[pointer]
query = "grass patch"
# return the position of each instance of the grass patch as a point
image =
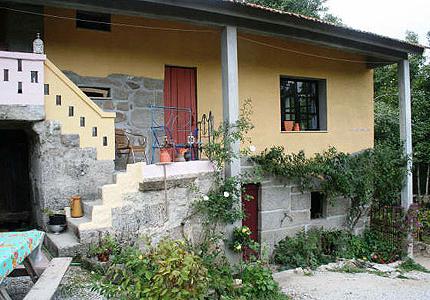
(410, 265)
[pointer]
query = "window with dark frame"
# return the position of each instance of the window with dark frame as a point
(93, 20)
(300, 103)
(34, 77)
(317, 205)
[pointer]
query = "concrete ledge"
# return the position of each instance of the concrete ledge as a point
(177, 169)
(17, 112)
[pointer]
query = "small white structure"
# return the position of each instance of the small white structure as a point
(21, 78)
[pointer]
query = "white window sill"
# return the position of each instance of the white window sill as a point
(304, 131)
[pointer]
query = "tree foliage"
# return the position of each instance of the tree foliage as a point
(312, 8)
(387, 108)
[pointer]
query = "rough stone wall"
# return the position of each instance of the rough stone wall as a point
(284, 210)
(147, 213)
(60, 168)
(131, 97)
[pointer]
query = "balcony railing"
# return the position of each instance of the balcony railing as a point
(21, 78)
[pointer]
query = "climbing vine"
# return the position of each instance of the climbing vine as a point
(371, 177)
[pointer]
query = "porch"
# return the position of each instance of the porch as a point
(108, 79)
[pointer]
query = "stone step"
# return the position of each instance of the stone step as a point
(157, 184)
(73, 224)
(63, 244)
(88, 207)
(115, 175)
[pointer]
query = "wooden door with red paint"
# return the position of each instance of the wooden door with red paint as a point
(180, 91)
(251, 208)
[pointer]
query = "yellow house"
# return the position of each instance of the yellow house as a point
(154, 68)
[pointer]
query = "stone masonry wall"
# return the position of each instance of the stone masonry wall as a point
(146, 212)
(60, 169)
(130, 98)
(284, 210)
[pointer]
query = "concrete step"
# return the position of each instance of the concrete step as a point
(63, 244)
(157, 184)
(73, 224)
(115, 175)
(88, 207)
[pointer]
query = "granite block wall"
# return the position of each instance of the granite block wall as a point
(130, 98)
(284, 210)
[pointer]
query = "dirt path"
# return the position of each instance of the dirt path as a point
(344, 286)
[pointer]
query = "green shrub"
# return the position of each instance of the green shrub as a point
(307, 249)
(258, 283)
(167, 271)
(317, 247)
(410, 265)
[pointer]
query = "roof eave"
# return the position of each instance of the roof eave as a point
(219, 12)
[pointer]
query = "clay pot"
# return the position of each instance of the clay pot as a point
(76, 210)
(296, 127)
(288, 125)
(165, 155)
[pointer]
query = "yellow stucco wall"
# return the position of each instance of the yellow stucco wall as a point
(145, 52)
(71, 95)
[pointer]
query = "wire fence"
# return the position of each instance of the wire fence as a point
(390, 223)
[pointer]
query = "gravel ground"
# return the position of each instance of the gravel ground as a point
(339, 286)
(74, 286)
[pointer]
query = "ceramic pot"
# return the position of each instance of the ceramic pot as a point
(76, 210)
(165, 155)
(288, 125)
(296, 127)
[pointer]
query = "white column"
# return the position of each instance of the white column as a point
(230, 88)
(406, 127)
(230, 93)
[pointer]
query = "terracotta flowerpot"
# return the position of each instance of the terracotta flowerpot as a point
(288, 125)
(76, 210)
(165, 155)
(296, 127)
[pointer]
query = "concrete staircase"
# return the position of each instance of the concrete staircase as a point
(135, 201)
(97, 214)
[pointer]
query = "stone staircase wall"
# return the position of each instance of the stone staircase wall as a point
(60, 168)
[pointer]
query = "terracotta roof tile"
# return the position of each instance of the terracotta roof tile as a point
(299, 16)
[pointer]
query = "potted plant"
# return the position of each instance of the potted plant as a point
(165, 150)
(288, 125)
(57, 222)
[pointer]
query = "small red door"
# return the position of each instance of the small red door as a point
(250, 207)
(180, 92)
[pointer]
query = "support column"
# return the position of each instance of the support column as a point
(230, 89)
(406, 128)
(230, 93)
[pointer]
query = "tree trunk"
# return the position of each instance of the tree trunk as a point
(427, 179)
(418, 182)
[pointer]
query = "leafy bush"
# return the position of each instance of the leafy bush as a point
(242, 240)
(306, 249)
(106, 247)
(167, 271)
(220, 205)
(317, 247)
(258, 283)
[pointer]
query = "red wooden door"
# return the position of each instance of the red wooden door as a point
(180, 92)
(250, 207)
